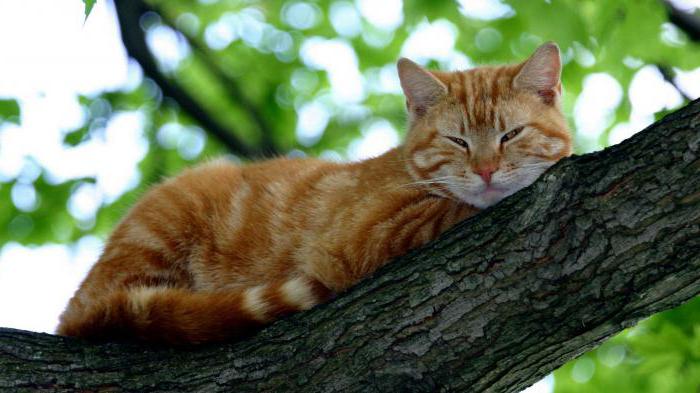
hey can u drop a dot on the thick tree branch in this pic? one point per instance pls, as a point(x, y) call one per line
point(599, 242)
point(129, 13)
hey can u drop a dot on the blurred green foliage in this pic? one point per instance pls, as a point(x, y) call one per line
point(258, 46)
point(88, 6)
point(9, 111)
point(660, 355)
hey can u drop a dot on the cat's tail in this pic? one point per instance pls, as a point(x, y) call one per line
point(180, 316)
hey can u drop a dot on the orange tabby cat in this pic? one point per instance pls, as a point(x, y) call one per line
point(222, 250)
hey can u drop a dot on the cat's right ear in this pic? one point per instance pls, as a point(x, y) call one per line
point(421, 88)
point(541, 73)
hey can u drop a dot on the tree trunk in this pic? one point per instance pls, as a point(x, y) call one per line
point(600, 241)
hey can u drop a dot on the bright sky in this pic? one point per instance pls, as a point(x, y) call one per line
point(50, 57)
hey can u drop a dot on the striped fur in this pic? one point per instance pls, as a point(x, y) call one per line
point(222, 250)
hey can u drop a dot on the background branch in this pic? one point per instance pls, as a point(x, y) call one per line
point(690, 24)
point(687, 22)
point(669, 76)
point(129, 13)
point(231, 87)
point(599, 242)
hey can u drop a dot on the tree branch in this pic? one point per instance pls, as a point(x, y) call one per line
point(597, 243)
point(129, 13)
point(689, 23)
point(230, 85)
point(669, 76)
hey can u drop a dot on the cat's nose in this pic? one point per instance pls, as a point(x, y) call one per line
point(485, 172)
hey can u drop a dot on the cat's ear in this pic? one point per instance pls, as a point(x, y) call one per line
point(541, 73)
point(421, 88)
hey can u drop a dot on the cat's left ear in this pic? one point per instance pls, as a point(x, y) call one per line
point(541, 73)
point(421, 88)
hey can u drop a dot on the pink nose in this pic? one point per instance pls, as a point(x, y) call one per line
point(486, 173)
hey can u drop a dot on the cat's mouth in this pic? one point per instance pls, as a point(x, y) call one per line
point(487, 196)
point(491, 189)
point(494, 193)
point(481, 196)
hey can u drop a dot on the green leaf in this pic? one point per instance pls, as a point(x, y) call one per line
point(76, 137)
point(9, 110)
point(88, 6)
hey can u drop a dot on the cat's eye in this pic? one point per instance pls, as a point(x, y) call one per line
point(459, 141)
point(511, 134)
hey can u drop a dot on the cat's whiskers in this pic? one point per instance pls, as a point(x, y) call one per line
point(444, 180)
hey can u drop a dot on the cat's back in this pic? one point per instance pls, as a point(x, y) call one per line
point(208, 191)
point(213, 199)
point(222, 177)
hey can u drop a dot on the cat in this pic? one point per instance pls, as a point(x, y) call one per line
point(221, 250)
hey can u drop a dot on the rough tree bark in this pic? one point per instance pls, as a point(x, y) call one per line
point(600, 241)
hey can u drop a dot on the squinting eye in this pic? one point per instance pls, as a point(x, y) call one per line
point(459, 141)
point(511, 134)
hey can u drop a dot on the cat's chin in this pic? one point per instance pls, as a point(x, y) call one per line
point(488, 196)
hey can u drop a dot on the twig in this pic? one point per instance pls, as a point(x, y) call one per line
point(689, 23)
point(669, 75)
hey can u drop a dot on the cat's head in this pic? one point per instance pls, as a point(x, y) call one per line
point(481, 135)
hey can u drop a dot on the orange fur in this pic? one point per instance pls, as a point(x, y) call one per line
point(222, 250)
